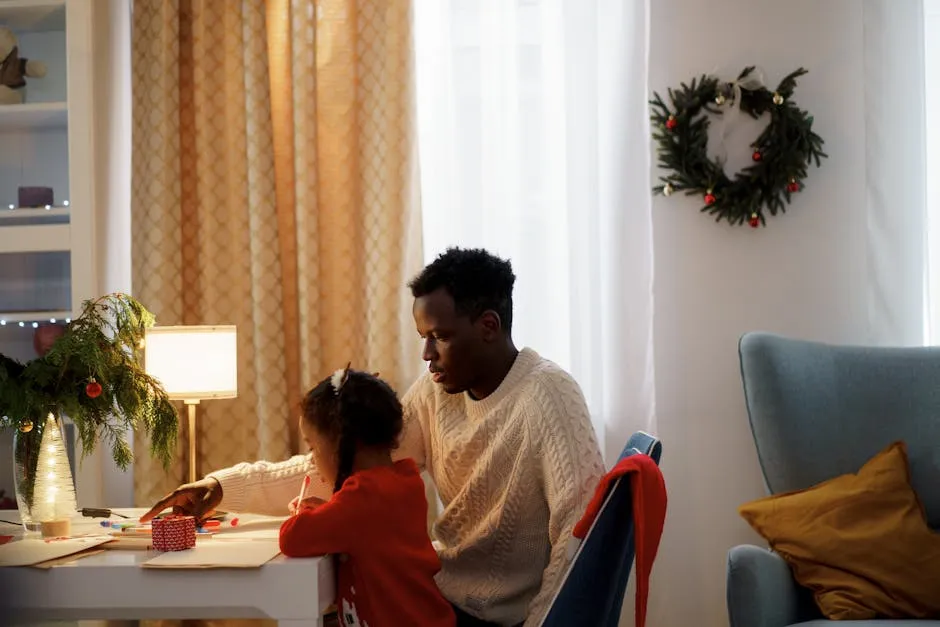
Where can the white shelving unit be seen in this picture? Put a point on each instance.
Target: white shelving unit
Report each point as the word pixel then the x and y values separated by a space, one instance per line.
pixel 33 15
pixel 34 117
pixel 47 254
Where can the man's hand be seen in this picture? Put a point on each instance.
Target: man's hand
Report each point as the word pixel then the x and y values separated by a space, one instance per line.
pixel 311 502
pixel 197 499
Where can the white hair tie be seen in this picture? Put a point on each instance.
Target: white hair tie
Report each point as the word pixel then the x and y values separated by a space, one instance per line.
pixel 339 378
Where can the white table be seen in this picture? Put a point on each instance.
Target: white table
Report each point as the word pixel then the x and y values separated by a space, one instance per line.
pixel 111 585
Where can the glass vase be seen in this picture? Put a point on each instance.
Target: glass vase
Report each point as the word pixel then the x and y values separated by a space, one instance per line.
pixel 56 492
pixel 25 458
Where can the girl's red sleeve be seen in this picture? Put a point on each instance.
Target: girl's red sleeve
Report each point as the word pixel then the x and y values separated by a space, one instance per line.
pixel 334 527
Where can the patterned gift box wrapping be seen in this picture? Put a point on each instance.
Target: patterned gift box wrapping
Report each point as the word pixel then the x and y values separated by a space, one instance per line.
pixel 174 533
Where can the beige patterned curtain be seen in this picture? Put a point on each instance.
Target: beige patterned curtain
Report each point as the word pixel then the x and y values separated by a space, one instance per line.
pixel 275 188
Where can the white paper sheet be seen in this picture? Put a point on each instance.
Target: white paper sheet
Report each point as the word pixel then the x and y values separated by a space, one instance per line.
pixel 257 527
pixel 29 552
pixel 247 554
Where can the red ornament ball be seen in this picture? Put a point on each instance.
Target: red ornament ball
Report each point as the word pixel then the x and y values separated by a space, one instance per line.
pixel 754 221
pixel 671 123
pixel 709 199
pixel 793 187
pixel 45 336
pixel 756 156
pixel 93 389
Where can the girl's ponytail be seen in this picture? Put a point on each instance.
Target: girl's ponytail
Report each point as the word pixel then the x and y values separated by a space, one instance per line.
pixel 347 448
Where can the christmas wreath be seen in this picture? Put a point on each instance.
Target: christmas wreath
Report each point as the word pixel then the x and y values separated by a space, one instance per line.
pixel 780 155
pixel 92 373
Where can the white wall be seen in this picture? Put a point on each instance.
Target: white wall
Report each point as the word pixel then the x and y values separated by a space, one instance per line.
pixel 932 137
pixel 813 273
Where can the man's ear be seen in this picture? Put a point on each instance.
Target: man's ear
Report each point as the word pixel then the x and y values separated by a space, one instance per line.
pixel 490 324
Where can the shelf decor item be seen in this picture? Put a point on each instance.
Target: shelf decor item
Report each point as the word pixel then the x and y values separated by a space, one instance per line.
pixel 93 375
pixel 14 69
pixel 45 336
pixel 33 197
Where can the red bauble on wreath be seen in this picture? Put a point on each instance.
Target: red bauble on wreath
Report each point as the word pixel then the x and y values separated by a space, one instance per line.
pixel 780 154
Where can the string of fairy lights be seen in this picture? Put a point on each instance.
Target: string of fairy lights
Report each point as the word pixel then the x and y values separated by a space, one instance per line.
pixel 12 207
pixel 34 324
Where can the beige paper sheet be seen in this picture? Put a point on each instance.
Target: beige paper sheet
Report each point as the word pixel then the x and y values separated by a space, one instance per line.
pixel 30 552
pixel 247 554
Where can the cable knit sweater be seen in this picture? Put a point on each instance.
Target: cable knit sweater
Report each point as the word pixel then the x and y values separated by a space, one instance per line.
pixel 514 471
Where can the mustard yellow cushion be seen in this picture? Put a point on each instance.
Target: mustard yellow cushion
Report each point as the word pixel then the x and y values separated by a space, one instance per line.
pixel 859 542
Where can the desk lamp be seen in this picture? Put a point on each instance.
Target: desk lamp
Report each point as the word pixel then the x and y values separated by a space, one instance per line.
pixel 194 363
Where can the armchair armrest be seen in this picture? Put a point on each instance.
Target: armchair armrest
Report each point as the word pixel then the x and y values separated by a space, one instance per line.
pixel 762 592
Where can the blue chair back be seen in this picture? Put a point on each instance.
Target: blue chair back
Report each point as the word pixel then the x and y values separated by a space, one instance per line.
pixel 818 411
pixel 592 590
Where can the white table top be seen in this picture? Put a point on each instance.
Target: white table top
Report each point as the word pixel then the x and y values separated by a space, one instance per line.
pixel 112 585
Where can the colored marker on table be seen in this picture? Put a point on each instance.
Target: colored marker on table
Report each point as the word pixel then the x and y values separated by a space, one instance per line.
pixel 148 530
pixel 212 526
pixel 209 526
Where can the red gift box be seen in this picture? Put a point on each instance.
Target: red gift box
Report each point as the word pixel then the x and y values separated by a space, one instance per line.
pixel 174 533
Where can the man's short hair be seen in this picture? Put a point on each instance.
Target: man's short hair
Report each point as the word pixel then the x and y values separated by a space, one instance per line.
pixel 476 279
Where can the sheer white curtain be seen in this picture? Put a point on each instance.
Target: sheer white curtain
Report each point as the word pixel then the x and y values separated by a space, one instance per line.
pixel 932 67
pixel 534 144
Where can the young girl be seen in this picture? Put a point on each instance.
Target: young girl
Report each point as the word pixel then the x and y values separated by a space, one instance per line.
pixel 376 519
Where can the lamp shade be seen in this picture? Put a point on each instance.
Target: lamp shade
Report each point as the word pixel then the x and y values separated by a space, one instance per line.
pixel 193 363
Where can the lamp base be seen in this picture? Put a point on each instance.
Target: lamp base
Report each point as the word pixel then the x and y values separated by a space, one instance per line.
pixel 191 420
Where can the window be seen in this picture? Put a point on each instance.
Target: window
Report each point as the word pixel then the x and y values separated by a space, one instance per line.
pixel 534 140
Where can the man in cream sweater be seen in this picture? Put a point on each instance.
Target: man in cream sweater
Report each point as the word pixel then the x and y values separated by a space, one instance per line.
pixel 505 435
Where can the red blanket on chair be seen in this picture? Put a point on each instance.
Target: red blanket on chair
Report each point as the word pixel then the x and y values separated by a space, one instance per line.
pixel 649 514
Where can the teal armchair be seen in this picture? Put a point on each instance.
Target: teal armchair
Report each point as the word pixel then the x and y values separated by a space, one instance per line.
pixel 818 411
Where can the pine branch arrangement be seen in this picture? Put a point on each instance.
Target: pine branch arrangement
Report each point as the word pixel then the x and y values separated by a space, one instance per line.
pixel 781 154
pixel 93 375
